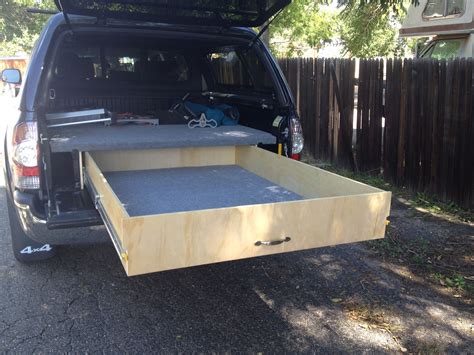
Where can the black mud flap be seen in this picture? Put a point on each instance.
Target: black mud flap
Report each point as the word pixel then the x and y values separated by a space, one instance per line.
pixel 25 249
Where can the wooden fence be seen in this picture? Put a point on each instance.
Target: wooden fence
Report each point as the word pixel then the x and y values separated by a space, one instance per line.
pixel 412 120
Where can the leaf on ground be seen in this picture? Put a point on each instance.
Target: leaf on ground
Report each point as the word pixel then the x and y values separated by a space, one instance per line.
pixel 336 300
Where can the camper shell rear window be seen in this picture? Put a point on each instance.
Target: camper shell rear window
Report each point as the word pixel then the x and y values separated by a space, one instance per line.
pixel 164 65
pixel 84 62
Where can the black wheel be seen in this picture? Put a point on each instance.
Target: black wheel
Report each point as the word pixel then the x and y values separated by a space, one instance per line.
pixel 25 249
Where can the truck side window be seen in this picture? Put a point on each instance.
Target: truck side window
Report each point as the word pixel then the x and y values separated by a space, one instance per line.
pixel 240 69
pixel 229 69
pixel 443 49
pixel 257 69
pixel 78 62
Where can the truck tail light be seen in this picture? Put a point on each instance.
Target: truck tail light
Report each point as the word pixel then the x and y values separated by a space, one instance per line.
pixel 297 140
pixel 24 156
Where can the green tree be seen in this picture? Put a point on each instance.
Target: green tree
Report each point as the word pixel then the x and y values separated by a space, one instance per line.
pixel 302 24
pixel 365 28
pixel 371 31
pixel 395 5
pixel 19 29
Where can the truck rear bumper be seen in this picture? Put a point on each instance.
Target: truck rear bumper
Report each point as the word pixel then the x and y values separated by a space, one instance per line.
pixel 36 228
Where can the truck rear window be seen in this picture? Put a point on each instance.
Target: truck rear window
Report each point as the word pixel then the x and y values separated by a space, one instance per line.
pixel 81 61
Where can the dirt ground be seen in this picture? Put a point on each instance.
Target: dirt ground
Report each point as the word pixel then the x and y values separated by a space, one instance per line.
pixel 418 285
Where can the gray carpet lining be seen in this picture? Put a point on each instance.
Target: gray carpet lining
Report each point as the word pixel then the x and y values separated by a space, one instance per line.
pixel 93 137
pixel 149 192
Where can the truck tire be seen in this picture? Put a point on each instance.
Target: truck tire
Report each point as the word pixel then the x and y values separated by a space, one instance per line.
pixel 25 249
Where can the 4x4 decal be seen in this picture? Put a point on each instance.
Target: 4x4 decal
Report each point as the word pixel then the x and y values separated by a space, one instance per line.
pixel 30 250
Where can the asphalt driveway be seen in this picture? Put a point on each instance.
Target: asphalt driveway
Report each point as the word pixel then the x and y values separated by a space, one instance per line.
pixel 346 298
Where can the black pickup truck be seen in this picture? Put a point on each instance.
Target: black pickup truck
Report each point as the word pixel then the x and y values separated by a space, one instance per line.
pixel 104 136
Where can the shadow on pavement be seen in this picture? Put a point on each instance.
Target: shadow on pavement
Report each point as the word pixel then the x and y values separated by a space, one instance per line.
pixel 304 301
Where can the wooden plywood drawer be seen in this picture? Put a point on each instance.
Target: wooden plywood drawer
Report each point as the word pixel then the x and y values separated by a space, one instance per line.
pixel 241 202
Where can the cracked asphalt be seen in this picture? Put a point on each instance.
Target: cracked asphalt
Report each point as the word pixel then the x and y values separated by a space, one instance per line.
pixel 299 302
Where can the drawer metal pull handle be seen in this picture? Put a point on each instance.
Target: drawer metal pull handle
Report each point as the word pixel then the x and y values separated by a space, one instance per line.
pixel 273 242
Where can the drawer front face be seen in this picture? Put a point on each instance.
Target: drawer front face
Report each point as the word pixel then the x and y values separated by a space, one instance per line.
pixel 335 211
pixel 163 242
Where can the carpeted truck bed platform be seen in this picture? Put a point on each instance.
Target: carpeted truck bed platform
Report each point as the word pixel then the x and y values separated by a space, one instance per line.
pixel 94 137
pixel 149 192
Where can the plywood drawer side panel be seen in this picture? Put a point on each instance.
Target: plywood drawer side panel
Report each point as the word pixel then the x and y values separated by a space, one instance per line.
pixel 301 178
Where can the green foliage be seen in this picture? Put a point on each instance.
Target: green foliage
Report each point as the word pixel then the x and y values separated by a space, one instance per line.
pixel 454 280
pixel 302 24
pixel 375 180
pixel 305 23
pixel 371 31
pixel 434 206
pixel 386 5
pixel 414 252
pixel 19 29
pixel 365 28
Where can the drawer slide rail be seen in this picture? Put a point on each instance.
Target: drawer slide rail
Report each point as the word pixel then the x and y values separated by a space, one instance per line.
pixel 108 225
